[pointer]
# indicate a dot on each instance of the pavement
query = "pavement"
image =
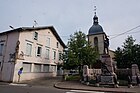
(73, 85)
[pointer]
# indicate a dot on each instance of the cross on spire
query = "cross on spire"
(95, 10)
(95, 18)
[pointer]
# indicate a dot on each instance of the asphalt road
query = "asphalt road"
(29, 89)
(38, 86)
(37, 89)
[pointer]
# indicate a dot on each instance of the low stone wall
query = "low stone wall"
(97, 71)
(123, 71)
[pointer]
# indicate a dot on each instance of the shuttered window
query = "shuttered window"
(1, 49)
(28, 49)
(46, 68)
(47, 53)
(27, 67)
(37, 67)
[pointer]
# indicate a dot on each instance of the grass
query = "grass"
(123, 82)
(73, 78)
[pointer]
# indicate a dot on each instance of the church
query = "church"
(98, 39)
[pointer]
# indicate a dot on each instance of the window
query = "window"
(37, 67)
(96, 43)
(1, 49)
(57, 44)
(27, 67)
(39, 49)
(48, 42)
(28, 49)
(47, 53)
(35, 36)
(60, 56)
(54, 55)
(53, 68)
(46, 68)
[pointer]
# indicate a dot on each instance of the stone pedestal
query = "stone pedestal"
(85, 73)
(134, 80)
(107, 67)
(135, 74)
(108, 75)
(107, 80)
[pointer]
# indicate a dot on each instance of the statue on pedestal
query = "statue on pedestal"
(106, 45)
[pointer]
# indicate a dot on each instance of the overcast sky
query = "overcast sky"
(69, 16)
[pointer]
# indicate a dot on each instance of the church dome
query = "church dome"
(96, 28)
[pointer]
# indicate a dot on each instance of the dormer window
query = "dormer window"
(35, 36)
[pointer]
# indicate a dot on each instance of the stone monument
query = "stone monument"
(135, 74)
(107, 75)
(85, 73)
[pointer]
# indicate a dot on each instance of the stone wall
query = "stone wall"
(123, 72)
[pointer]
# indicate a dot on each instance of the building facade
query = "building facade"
(37, 50)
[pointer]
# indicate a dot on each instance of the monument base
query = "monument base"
(107, 80)
(134, 80)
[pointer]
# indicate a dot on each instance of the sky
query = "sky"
(69, 16)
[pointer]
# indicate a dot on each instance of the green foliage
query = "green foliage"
(73, 78)
(123, 82)
(129, 54)
(92, 81)
(79, 52)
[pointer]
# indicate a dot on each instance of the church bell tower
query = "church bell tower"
(97, 36)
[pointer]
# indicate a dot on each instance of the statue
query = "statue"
(106, 45)
(104, 69)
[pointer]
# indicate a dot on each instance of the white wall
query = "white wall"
(10, 69)
(10, 41)
(28, 37)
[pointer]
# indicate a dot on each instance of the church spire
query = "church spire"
(95, 18)
(95, 10)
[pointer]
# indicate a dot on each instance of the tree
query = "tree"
(79, 52)
(129, 54)
(119, 57)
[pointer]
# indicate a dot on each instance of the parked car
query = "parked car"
(73, 72)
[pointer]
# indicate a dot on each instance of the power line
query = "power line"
(126, 32)
(116, 35)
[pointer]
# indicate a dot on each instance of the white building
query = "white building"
(37, 49)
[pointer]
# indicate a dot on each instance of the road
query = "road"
(28, 89)
(38, 86)
(37, 89)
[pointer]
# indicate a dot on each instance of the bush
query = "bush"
(123, 82)
(73, 78)
(92, 81)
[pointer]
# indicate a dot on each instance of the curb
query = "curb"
(56, 85)
(4, 83)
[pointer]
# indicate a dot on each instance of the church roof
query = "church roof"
(95, 28)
